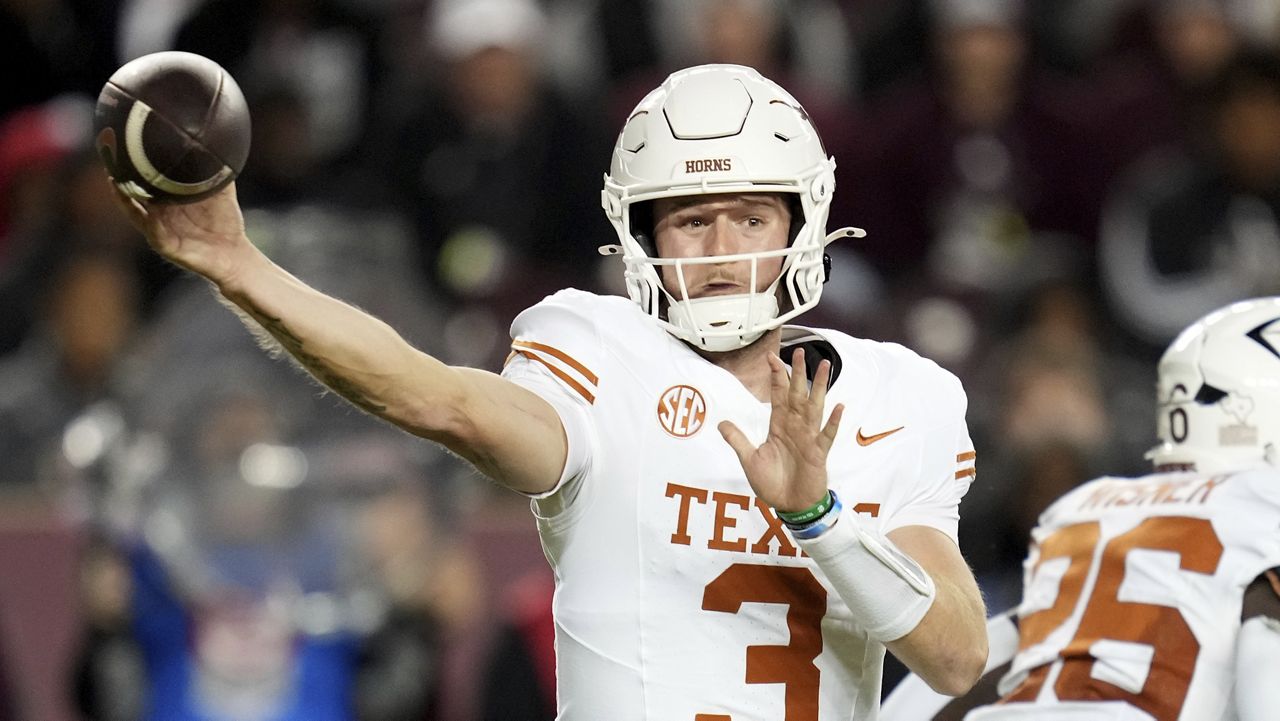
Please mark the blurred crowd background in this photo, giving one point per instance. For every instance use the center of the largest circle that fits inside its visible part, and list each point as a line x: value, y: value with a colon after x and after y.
x: 1051, y: 189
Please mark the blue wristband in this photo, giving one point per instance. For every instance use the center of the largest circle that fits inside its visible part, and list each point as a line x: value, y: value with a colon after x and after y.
x: 818, y: 526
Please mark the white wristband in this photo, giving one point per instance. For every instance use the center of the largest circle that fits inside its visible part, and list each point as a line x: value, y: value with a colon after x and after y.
x: 885, y: 588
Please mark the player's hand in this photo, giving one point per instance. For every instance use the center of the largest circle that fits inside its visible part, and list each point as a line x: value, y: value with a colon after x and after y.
x: 205, y: 237
x: 789, y: 470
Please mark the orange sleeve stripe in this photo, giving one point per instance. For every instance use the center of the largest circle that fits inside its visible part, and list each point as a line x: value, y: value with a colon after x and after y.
x: 966, y: 456
x: 559, y: 355
x: 966, y: 473
x: 568, y: 379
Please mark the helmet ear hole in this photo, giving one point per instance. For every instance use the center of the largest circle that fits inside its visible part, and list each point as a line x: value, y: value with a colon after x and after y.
x: 642, y: 226
x: 1208, y: 395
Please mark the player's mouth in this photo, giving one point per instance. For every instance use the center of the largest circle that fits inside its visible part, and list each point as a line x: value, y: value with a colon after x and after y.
x: 717, y: 288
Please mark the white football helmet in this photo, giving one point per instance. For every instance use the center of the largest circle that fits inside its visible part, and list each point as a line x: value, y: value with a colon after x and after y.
x: 1218, y: 404
x: 721, y: 129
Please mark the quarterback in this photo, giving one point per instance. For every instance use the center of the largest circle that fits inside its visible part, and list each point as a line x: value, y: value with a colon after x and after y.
x: 1157, y: 598
x: 741, y: 515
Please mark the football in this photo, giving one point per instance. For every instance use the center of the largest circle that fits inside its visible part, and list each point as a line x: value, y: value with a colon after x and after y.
x: 172, y: 127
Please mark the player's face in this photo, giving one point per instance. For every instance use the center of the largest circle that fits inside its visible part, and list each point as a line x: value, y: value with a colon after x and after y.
x: 714, y: 225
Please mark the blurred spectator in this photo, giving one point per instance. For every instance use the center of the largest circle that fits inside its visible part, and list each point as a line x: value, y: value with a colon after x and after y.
x: 520, y: 674
x: 501, y: 171
x: 33, y: 143
x: 1058, y: 403
x: 975, y: 179
x: 1164, y: 56
x: 325, y: 51
x: 805, y: 46
x: 53, y: 47
x: 265, y: 572
x: 1192, y: 230
x: 88, y: 309
x: 82, y: 216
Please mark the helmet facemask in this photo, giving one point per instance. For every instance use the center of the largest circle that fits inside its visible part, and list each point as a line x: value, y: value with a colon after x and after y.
x: 713, y: 130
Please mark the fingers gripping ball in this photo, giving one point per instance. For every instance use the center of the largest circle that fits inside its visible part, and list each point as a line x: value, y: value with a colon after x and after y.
x: 172, y: 127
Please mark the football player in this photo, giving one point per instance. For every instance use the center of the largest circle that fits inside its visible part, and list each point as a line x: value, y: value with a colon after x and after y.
x: 721, y: 551
x: 1157, y: 597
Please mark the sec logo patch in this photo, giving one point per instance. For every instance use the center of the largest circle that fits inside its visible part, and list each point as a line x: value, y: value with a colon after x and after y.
x: 682, y: 411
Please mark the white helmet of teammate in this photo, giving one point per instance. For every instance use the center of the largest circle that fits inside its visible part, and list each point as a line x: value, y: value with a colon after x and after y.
x: 1218, y: 405
x: 721, y: 129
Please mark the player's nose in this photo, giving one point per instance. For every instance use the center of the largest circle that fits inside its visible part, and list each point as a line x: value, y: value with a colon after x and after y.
x: 722, y: 240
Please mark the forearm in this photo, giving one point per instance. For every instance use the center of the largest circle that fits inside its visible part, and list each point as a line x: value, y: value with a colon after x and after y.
x: 507, y: 432
x: 912, y: 592
x: 948, y: 648
x: 354, y: 354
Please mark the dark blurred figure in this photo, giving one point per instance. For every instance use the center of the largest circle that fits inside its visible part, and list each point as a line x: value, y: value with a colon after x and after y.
x: 1161, y: 57
x: 87, y: 314
x: 1196, y: 227
x: 33, y: 143
x: 51, y: 47
x: 975, y: 179
x: 324, y: 50
x: 1061, y: 403
x: 804, y: 44
x: 498, y: 167
x: 520, y: 674
x: 79, y: 214
x: 8, y: 696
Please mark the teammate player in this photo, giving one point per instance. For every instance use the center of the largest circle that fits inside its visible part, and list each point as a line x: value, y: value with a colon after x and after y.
x: 721, y: 551
x: 1158, y: 597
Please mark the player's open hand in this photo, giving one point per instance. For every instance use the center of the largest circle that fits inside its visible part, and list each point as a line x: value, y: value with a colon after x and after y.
x: 789, y: 470
x: 206, y: 237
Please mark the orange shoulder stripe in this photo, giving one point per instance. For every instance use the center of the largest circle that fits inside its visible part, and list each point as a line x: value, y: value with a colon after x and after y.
x: 966, y: 456
x: 568, y: 379
x: 559, y: 355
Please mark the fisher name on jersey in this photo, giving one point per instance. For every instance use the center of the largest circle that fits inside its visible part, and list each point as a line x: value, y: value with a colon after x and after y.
x: 1133, y: 593
x: 679, y: 595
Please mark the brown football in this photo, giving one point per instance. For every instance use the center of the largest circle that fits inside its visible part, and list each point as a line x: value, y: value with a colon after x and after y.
x: 172, y: 127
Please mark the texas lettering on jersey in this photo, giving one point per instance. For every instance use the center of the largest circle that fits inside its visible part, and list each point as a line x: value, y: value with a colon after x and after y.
x: 725, y: 509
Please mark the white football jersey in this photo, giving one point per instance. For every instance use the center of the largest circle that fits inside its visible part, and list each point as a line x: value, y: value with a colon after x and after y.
x: 1132, y: 597
x: 679, y: 596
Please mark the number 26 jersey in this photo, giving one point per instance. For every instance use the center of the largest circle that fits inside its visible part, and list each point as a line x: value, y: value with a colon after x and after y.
x: 1133, y: 594
x: 679, y: 595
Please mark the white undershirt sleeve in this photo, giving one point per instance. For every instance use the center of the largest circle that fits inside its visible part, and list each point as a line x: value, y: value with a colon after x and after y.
x: 1258, y: 669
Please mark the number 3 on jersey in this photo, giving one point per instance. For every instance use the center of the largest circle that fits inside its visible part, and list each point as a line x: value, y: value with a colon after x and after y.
x: 791, y: 665
x: 1106, y: 620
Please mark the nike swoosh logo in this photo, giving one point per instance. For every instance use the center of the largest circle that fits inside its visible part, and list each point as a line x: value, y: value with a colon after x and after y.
x: 868, y: 440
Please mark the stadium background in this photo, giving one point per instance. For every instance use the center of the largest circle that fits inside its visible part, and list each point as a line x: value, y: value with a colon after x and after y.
x: 1050, y: 188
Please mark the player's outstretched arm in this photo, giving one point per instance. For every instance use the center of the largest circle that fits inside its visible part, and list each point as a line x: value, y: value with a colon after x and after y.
x: 506, y: 431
